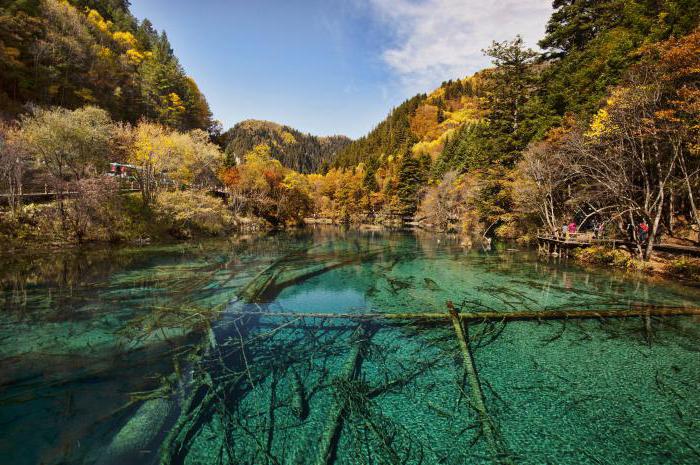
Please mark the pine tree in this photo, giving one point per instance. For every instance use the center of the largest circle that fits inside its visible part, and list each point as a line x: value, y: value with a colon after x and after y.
x: 370, y: 181
x: 510, y: 86
x: 411, y: 178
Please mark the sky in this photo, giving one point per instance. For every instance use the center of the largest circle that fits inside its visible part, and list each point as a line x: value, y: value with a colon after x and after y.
x: 333, y: 66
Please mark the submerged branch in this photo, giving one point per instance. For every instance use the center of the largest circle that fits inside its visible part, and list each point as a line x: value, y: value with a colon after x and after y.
x: 487, y: 425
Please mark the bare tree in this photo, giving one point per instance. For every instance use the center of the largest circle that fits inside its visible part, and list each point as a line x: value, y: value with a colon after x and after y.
x: 545, y: 176
x: 628, y: 157
x: 440, y: 204
x: 93, y: 211
x: 14, y: 160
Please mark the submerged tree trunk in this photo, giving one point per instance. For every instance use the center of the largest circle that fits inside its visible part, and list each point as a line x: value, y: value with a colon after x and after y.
x: 500, y: 455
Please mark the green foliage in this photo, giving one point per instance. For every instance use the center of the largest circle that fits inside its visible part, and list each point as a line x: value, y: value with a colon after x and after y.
x: 369, y: 182
x: 412, y: 176
x: 464, y: 151
x: 391, y: 137
x: 592, y: 43
x: 509, y: 88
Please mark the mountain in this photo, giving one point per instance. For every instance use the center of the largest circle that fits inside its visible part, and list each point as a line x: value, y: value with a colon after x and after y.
x: 302, y: 152
x: 93, y: 52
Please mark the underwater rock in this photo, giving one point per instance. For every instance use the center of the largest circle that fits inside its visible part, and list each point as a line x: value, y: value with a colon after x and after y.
x: 398, y: 284
x: 432, y: 285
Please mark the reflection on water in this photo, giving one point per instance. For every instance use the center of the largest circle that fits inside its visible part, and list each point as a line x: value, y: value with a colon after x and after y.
x: 145, y: 355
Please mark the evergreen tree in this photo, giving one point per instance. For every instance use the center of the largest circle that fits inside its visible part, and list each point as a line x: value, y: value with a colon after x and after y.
x: 410, y: 180
x: 574, y: 23
x: 370, y: 181
x: 510, y: 86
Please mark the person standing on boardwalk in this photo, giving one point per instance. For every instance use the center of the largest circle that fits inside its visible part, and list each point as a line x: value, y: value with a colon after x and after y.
x: 643, y: 231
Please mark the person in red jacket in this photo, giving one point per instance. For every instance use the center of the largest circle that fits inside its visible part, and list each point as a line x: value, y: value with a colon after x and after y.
x: 643, y: 231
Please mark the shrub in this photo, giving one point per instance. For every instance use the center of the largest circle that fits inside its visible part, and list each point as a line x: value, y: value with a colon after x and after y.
x: 603, y: 256
x: 635, y: 264
x: 189, y: 212
x: 684, y: 267
x: 22, y: 223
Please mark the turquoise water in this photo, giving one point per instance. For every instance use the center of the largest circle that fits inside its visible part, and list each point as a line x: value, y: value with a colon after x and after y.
x: 173, y: 354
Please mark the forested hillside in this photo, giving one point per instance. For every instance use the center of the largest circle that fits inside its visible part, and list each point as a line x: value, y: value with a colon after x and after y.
x: 515, y: 146
x: 301, y: 152
x: 93, y: 52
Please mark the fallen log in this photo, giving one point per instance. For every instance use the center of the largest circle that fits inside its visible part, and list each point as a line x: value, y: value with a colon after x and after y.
x: 492, y: 315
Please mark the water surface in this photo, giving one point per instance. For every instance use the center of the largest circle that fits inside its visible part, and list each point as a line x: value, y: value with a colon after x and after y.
x: 146, y: 355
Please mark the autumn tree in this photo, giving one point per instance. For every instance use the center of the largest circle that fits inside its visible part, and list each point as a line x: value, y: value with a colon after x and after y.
x: 165, y: 156
x: 55, y: 52
x: 630, y: 156
x: 263, y: 187
x: 151, y: 154
x: 93, y: 211
x: 69, y: 144
x: 677, y: 61
x: 442, y: 204
x: 195, y: 161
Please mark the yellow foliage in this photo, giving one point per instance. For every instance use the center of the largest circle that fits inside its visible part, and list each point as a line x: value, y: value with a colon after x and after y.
x: 466, y: 114
x: 152, y: 147
x: 176, y: 103
x: 187, y: 158
x: 136, y: 57
x: 288, y: 138
x: 96, y: 18
x: 125, y: 39
x: 11, y: 52
x: 424, y: 122
x: 86, y: 95
x: 600, y: 124
x: 432, y: 148
x: 297, y: 181
x: 102, y: 52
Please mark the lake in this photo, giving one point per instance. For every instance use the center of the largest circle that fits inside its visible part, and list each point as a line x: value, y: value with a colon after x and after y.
x: 228, y: 351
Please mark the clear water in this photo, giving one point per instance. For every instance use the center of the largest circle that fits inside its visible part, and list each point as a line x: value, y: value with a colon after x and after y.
x: 147, y: 355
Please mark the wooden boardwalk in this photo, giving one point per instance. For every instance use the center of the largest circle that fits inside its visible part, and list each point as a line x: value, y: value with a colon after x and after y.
x: 574, y: 241
x: 43, y: 197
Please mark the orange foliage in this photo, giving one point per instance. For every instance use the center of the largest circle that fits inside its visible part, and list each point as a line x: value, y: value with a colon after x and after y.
x: 273, y: 178
x: 424, y: 123
x: 231, y: 177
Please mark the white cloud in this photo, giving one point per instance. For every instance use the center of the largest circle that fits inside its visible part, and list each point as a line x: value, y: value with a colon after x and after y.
x: 437, y: 40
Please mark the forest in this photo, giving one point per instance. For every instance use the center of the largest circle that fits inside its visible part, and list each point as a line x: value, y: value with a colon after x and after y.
x: 599, y: 128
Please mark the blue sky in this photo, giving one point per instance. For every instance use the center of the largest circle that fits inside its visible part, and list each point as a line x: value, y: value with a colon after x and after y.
x: 332, y: 66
